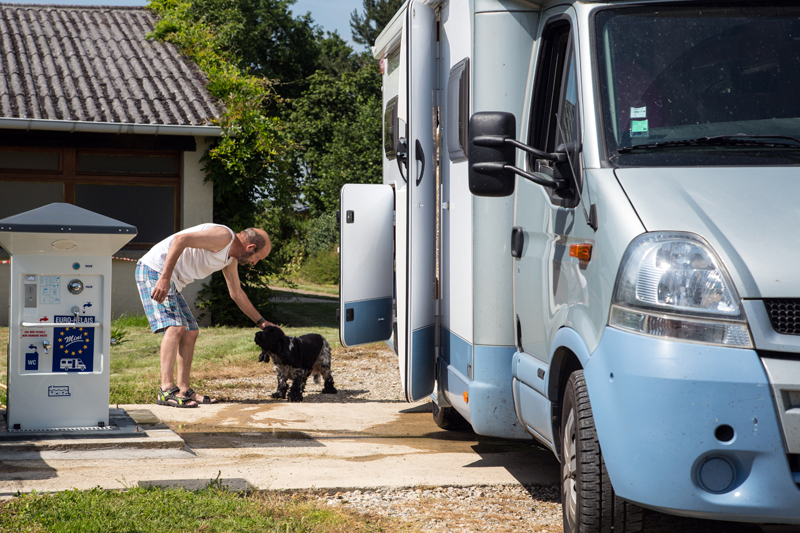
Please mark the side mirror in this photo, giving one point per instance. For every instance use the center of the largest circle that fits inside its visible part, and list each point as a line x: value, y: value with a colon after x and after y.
x: 488, y: 175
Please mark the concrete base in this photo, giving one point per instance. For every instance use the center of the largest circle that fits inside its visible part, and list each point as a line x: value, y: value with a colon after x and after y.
x: 131, y: 429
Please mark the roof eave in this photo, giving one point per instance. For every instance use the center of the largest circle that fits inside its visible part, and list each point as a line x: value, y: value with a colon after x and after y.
x: 109, y: 127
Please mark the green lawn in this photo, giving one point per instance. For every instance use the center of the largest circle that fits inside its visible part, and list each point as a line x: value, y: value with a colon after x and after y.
x: 158, y: 510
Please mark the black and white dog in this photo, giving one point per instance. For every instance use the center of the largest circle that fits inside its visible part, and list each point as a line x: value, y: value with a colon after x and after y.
x: 296, y: 358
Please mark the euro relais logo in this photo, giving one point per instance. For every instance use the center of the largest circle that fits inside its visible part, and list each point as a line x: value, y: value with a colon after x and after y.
x: 73, y: 349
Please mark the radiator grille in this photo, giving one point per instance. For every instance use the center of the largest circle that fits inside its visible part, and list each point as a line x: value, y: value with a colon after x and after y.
x: 784, y: 313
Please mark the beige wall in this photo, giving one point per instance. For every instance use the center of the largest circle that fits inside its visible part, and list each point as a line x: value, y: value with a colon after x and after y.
x: 196, y: 208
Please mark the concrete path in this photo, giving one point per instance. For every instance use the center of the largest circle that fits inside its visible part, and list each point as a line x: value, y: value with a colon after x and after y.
x: 277, y: 445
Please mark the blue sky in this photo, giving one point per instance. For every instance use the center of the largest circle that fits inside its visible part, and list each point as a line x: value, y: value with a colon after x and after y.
x: 330, y: 14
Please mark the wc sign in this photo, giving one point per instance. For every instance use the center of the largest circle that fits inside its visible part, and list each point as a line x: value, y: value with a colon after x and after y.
x: 73, y: 349
x: 32, y: 358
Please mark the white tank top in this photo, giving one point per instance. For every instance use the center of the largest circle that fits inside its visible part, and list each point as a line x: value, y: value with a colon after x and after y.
x: 194, y: 263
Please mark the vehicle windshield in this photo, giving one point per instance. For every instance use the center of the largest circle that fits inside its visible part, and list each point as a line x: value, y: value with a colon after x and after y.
x: 670, y: 74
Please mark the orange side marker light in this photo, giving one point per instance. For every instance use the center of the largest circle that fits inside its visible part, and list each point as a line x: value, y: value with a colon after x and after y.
x: 581, y: 251
x: 466, y: 397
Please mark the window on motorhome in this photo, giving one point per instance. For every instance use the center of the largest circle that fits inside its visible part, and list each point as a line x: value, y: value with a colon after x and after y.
x: 684, y: 73
x: 458, y: 110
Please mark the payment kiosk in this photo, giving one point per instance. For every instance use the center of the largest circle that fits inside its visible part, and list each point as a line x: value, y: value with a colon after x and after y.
x: 60, y: 316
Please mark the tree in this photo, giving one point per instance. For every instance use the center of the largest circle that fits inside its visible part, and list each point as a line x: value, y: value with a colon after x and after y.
x: 264, y: 39
x: 377, y: 14
x: 336, y: 127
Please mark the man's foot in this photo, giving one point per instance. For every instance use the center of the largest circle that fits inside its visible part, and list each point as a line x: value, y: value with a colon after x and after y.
x: 171, y: 398
x: 199, y: 398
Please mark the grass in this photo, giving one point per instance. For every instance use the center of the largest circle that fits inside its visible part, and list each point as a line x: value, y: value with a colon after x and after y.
x: 302, y: 284
x: 221, y: 352
x: 155, y: 509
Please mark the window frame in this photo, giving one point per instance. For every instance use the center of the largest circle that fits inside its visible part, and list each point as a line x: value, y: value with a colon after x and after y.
x: 69, y: 176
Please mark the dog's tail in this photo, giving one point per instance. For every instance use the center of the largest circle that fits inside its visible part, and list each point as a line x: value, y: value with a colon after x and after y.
x: 317, y: 378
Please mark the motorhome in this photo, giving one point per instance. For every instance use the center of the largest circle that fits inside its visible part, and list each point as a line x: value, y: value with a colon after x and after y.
x: 584, y: 236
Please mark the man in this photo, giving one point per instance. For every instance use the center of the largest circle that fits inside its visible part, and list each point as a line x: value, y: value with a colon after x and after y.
x: 166, y: 269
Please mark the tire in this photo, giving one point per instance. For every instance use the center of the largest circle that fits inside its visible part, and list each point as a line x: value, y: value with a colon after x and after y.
x: 450, y: 419
x: 589, y: 504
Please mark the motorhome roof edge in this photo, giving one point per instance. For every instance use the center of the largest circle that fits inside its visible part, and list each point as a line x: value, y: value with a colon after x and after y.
x: 390, y: 34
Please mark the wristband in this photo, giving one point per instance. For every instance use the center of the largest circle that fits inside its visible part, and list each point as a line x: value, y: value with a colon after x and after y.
x: 260, y: 320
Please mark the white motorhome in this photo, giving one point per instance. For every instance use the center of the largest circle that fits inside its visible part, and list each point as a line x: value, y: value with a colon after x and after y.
x: 585, y: 236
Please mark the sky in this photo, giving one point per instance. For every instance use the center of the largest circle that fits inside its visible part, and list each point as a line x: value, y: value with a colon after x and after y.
x: 330, y: 14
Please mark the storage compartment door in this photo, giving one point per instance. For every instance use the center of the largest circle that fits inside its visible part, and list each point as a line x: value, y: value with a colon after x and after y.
x: 366, y: 247
x: 418, y: 359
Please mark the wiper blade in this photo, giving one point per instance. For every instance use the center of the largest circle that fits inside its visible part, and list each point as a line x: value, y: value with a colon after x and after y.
x: 741, y: 139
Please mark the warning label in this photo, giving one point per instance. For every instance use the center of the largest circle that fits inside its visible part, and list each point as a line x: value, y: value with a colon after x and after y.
x: 34, y: 334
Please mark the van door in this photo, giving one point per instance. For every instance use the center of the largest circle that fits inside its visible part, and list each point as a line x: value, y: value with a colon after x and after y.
x: 416, y: 321
x: 547, y: 280
x: 366, y: 247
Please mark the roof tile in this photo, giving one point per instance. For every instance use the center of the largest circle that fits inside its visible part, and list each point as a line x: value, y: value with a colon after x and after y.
x: 93, y: 63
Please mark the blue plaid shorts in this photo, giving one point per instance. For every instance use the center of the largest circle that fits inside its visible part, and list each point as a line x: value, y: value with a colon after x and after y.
x: 174, y: 311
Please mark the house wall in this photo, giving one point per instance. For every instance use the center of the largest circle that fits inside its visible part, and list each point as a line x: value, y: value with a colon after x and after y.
x: 196, y: 208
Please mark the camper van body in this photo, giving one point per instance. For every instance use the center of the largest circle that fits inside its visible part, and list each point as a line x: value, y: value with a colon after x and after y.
x: 535, y: 314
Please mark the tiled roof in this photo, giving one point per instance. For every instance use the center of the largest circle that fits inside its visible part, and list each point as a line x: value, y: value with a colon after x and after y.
x: 94, y: 64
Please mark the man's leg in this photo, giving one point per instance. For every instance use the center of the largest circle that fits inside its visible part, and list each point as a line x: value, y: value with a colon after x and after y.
x: 185, y: 354
x: 170, y: 344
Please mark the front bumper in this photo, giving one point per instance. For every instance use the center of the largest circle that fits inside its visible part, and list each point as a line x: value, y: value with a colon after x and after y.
x: 660, y: 408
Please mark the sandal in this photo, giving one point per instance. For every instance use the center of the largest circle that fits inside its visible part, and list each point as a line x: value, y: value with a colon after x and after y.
x: 206, y: 399
x: 171, y: 399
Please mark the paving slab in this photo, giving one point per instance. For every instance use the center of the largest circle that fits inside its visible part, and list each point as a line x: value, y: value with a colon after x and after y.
x: 281, y: 445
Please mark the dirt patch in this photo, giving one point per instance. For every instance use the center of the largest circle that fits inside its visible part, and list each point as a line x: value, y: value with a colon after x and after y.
x: 365, y: 373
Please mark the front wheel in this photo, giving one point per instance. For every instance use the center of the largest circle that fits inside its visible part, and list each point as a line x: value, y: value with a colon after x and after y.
x: 588, y: 502
x: 450, y: 419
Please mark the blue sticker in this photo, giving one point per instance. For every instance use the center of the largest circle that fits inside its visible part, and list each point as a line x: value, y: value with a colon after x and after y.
x: 32, y: 358
x: 73, y: 349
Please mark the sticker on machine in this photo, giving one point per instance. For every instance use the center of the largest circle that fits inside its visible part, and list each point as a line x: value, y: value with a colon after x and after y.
x: 73, y: 349
x: 72, y: 319
x: 50, y: 290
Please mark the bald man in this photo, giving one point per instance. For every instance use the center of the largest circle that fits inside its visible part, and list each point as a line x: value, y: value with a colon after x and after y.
x: 166, y: 269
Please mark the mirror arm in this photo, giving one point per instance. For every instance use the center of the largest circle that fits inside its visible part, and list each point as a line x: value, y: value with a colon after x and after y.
x: 497, y: 167
x: 550, y: 184
x: 496, y: 141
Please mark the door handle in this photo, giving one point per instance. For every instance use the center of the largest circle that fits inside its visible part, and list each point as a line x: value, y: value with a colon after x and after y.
x: 420, y: 157
x: 517, y: 241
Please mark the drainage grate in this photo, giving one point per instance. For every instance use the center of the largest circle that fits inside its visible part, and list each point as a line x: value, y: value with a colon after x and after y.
x: 784, y: 313
x: 51, y: 430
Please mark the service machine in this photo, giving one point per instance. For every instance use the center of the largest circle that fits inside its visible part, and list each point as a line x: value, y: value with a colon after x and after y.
x: 60, y: 316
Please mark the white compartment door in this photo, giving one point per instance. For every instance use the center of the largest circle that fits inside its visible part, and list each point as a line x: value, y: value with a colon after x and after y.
x: 417, y: 360
x: 366, y: 248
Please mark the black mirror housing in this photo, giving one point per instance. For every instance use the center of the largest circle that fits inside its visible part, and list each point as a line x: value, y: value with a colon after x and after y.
x: 487, y: 175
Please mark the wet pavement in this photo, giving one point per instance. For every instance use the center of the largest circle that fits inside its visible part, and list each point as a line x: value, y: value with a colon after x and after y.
x: 280, y: 445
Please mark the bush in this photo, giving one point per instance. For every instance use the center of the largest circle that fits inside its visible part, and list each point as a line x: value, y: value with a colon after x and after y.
x: 322, y: 268
x: 322, y: 233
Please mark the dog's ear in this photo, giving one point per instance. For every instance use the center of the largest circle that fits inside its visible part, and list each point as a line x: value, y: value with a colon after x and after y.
x: 263, y: 357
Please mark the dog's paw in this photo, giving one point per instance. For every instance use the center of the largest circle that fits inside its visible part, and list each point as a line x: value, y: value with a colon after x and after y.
x: 329, y: 390
x: 277, y: 395
x: 295, y: 398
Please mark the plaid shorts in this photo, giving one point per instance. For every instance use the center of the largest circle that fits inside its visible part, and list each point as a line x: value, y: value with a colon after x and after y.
x: 174, y: 311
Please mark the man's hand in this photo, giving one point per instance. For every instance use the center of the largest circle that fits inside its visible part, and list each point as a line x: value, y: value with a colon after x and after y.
x: 161, y: 290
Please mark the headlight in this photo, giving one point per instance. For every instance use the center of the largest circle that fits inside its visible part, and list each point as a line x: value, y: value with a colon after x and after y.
x: 673, y: 285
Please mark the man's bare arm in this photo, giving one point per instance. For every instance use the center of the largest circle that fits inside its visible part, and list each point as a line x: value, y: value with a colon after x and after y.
x: 231, y: 274
x: 214, y: 239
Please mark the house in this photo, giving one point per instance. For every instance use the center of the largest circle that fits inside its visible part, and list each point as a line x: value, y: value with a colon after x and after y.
x: 92, y: 113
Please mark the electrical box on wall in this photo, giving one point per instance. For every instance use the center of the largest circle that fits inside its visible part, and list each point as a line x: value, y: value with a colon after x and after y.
x: 60, y: 316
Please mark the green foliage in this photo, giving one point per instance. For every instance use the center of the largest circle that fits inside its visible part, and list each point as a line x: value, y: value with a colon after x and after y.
x: 322, y: 267
x: 156, y: 510
x: 118, y: 334
x: 336, y: 126
x: 377, y: 14
x: 321, y: 233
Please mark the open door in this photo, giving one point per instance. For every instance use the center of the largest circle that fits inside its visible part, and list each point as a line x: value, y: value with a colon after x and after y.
x: 366, y: 247
x: 417, y: 318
